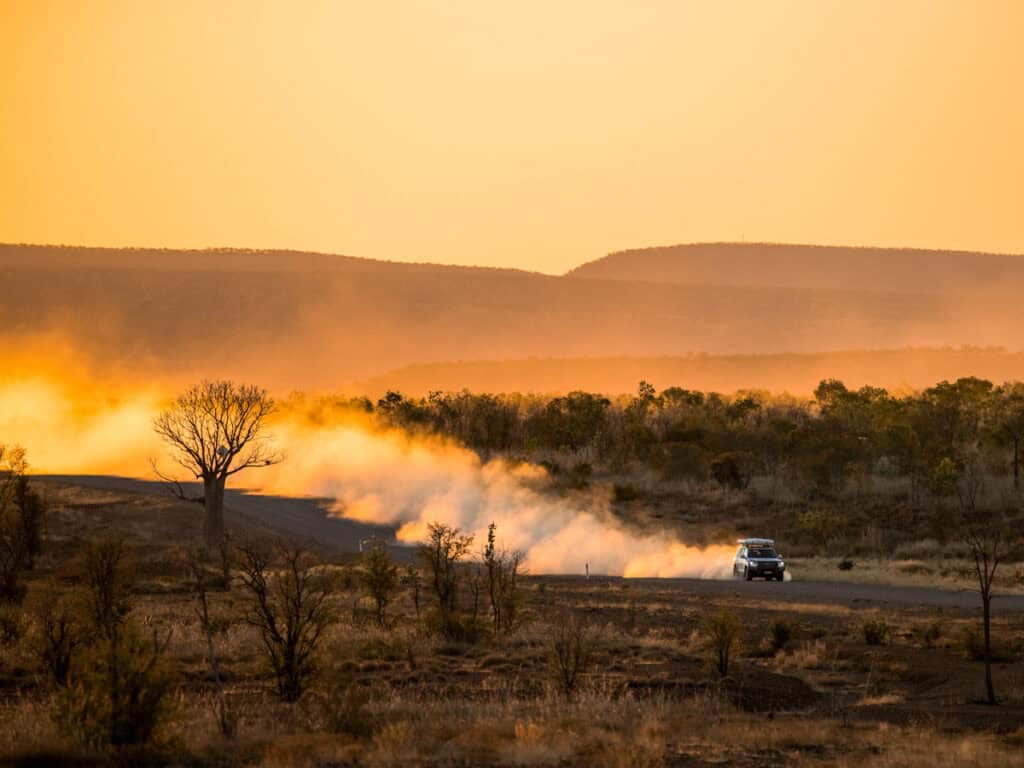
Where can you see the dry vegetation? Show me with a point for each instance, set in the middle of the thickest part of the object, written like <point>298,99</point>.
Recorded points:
<point>812,684</point>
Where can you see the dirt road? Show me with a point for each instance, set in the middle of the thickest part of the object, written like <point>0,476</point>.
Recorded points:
<point>305,518</point>
<point>309,519</point>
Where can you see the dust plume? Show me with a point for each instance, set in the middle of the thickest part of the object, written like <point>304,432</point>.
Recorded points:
<point>74,425</point>
<point>392,478</point>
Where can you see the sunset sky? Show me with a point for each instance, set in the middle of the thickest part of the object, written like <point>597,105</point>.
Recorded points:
<point>529,134</point>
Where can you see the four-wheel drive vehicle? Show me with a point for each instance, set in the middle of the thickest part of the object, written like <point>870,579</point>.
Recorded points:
<point>757,559</point>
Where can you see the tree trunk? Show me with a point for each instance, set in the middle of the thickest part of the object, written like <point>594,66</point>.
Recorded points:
<point>213,502</point>
<point>986,619</point>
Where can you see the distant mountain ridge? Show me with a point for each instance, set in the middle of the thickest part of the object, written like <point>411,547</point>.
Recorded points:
<point>814,267</point>
<point>202,259</point>
<point>307,320</point>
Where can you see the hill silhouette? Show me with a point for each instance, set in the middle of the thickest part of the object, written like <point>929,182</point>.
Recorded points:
<point>306,320</point>
<point>816,267</point>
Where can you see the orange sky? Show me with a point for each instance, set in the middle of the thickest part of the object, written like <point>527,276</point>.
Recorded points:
<point>528,134</point>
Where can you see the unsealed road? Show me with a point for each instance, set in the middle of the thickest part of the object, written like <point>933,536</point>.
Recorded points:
<point>310,519</point>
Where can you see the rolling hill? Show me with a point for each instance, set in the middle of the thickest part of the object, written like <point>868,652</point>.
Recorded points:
<point>306,320</point>
<point>816,267</point>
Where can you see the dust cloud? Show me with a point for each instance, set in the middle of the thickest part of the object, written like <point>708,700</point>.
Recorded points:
<point>73,424</point>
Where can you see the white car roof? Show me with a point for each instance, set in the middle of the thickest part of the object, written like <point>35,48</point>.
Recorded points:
<point>756,542</point>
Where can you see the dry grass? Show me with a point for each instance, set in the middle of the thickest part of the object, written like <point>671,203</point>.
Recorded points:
<point>405,697</point>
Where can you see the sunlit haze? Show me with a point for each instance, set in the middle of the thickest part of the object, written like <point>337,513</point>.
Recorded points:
<point>535,135</point>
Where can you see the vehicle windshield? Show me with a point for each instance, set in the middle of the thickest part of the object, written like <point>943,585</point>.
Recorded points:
<point>761,552</point>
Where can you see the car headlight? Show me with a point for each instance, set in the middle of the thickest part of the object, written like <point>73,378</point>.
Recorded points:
<point>782,564</point>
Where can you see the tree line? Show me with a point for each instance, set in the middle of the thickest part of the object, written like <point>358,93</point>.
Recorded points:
<point>822,445</point>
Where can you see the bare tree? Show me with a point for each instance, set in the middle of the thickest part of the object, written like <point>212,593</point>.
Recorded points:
<point>572,643</point>
<point>60,637</point>
<point>215,430</point>
<point>290,610</point>
<point>985,535</point>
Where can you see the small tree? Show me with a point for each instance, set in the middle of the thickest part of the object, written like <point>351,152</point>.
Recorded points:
<point>108,582</point>
<point>412,581</point>
<point>441,554</point>
<point>380,579</point>
<point>722,638</point>
<point>60,638</point>
<point>215,430</point>
<point>985,536</point>
<point>21,523</point>
<point>289,609</point>
<point>227,720</point>
<point>571,645</point>
<point>119,696</point>
<point>503,571</point>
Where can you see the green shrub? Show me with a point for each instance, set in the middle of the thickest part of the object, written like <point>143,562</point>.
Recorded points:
<point>876,631</point>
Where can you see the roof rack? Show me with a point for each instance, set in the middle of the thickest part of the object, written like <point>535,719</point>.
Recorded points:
<point>755,542</point>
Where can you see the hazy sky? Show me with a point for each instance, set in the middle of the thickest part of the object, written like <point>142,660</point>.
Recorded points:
<point>527,134</point>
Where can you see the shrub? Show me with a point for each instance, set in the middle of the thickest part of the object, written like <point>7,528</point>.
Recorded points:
<point>931,634</point>
<point>733,469</point>
<point>625,492</point>
<point>289,609</point>
<point>571,648</point>
<point>441,555</point>
<point>120,694</point>
<point>60,637</point>
<point>345,711</point>
<point>503,572</point>
<point>12,625</point>
<point>379,579</point>
<point>972,644</point>
<point>781,633</point>
<point>876,631</point>
<point>845,564</point>
<point>108,582</point>
<point>721,632</point>
<point>413,582</point>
